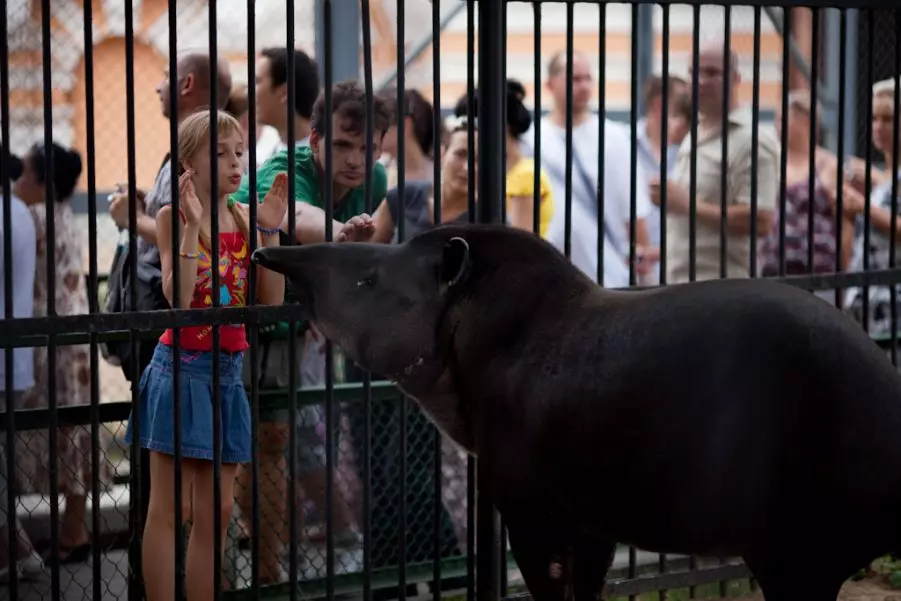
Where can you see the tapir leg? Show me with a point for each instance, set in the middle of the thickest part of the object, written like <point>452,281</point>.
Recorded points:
<point>535,550</point>
<point>793,578</point>
<point>592,559</point>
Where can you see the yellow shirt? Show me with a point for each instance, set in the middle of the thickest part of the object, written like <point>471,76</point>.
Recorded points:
<point>521,183</point>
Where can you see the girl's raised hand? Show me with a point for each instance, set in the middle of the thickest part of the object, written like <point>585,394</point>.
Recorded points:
<point>271,211</point>
<point>188,201</point>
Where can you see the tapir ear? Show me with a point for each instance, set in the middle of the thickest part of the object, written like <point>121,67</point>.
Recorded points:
<point>455,262</point>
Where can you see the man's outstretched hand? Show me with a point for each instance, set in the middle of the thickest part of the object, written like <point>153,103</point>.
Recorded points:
<point>360,228</point>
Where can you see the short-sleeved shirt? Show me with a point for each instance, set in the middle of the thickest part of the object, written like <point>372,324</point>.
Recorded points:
<point>738,181</point>
<point>24,244</point>
<point>417,213</point>
<point>521,184</point>
<point>307,189</point>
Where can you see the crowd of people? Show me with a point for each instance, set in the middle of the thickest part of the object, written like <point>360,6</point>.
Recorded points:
<point>601,174</point>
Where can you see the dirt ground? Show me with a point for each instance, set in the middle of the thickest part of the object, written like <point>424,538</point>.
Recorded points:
<point>874,588</point>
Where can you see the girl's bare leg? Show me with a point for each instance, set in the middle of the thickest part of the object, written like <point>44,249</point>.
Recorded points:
<point>200,558</point>
<point>158,559</point>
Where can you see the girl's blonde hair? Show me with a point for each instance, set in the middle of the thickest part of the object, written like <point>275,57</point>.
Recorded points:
<point>193,137</point>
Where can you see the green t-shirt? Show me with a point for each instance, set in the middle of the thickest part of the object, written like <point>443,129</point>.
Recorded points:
<point>306,189</point>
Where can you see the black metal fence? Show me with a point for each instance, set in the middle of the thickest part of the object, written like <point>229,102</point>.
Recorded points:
<point>373,500</point>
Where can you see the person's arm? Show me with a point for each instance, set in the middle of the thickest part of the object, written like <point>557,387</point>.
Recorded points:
<point>384,221</point>
<point>738,214</point>
<point>187,276</point>
<point>309,224</point>
<point>145,224</point>
<point>881,219</point>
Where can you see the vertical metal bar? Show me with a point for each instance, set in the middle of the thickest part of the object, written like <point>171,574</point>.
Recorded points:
<point>328,64</point>
<point>252,295</point>
<point>868,183</point>
<point>643,49</point>
<point>436,153</point>
<point>893,169</point>
<point>93,300</point>
<point>471,463</point>
<point>633,146</point>
<point>664,163</point>
<point>664,166</point>
<point>783,159</point>
<point>50,235</point>
<point>850,60</point>
<point>214,240</point>
<point>401,233</point>
<point>632,569</point>
<point>492,97</point>
<point>602,125</point>
<point>401,134</point>
<point>568,171</point>
<point>492,167</point>
<point>755,132</point>
<point>724,165</point>
<point>840,143</point>
<point>292,323</point>
<point>366,22</point>
<point>470,109</point>
<point>436,192</point>
<point>536,118</point>
<point>833,60</point>
<point>693,184</point>
<point>174,118</point>
<point>8,355</point>
<point>814,133</point>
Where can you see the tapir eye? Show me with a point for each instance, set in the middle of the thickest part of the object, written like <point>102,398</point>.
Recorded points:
<point>366,282</point>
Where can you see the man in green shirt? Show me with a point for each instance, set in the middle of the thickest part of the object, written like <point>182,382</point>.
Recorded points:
<point>348,167</point>
<point>351,223</point>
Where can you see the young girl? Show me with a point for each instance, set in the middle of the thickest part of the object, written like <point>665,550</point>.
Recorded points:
<point>196,354</point>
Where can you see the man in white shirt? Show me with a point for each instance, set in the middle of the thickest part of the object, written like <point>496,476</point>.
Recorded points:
<point>584,194</point>
<point>24,245</point>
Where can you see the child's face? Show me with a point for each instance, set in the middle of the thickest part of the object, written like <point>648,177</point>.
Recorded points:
<point>230,165</point>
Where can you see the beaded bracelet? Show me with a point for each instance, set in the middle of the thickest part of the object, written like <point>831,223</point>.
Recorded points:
<point>268,231</point>
<point>182,253</point>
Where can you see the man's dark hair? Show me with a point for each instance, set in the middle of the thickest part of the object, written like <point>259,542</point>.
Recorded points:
<point>66,168</point>
<point>306,77</point>
<point>13,170</point>
<point>349,103</point>
<point>420,111</point>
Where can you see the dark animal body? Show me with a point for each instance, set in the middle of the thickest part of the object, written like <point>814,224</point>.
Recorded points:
<point>723,418</point>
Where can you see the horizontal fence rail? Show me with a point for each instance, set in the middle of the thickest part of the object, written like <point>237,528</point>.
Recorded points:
<point>137,181</point>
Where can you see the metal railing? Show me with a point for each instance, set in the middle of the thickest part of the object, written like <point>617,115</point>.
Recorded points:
<point>409,509</point>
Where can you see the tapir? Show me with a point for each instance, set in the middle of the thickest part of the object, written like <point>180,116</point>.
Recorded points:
<point>729,418</point>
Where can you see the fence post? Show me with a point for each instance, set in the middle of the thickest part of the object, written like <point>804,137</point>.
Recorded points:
<point>346,53</point>
<point>491,98</point>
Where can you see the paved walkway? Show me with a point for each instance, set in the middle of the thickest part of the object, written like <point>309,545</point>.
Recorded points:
<point>76,582</point>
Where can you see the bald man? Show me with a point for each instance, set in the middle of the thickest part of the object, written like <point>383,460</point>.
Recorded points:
<point>617,182</point>
<point>710,165</point>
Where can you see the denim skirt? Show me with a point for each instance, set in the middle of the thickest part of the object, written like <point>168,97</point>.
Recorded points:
<point>157,406</point>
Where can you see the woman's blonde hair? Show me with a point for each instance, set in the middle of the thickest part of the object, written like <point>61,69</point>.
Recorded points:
<point>193,137</point>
